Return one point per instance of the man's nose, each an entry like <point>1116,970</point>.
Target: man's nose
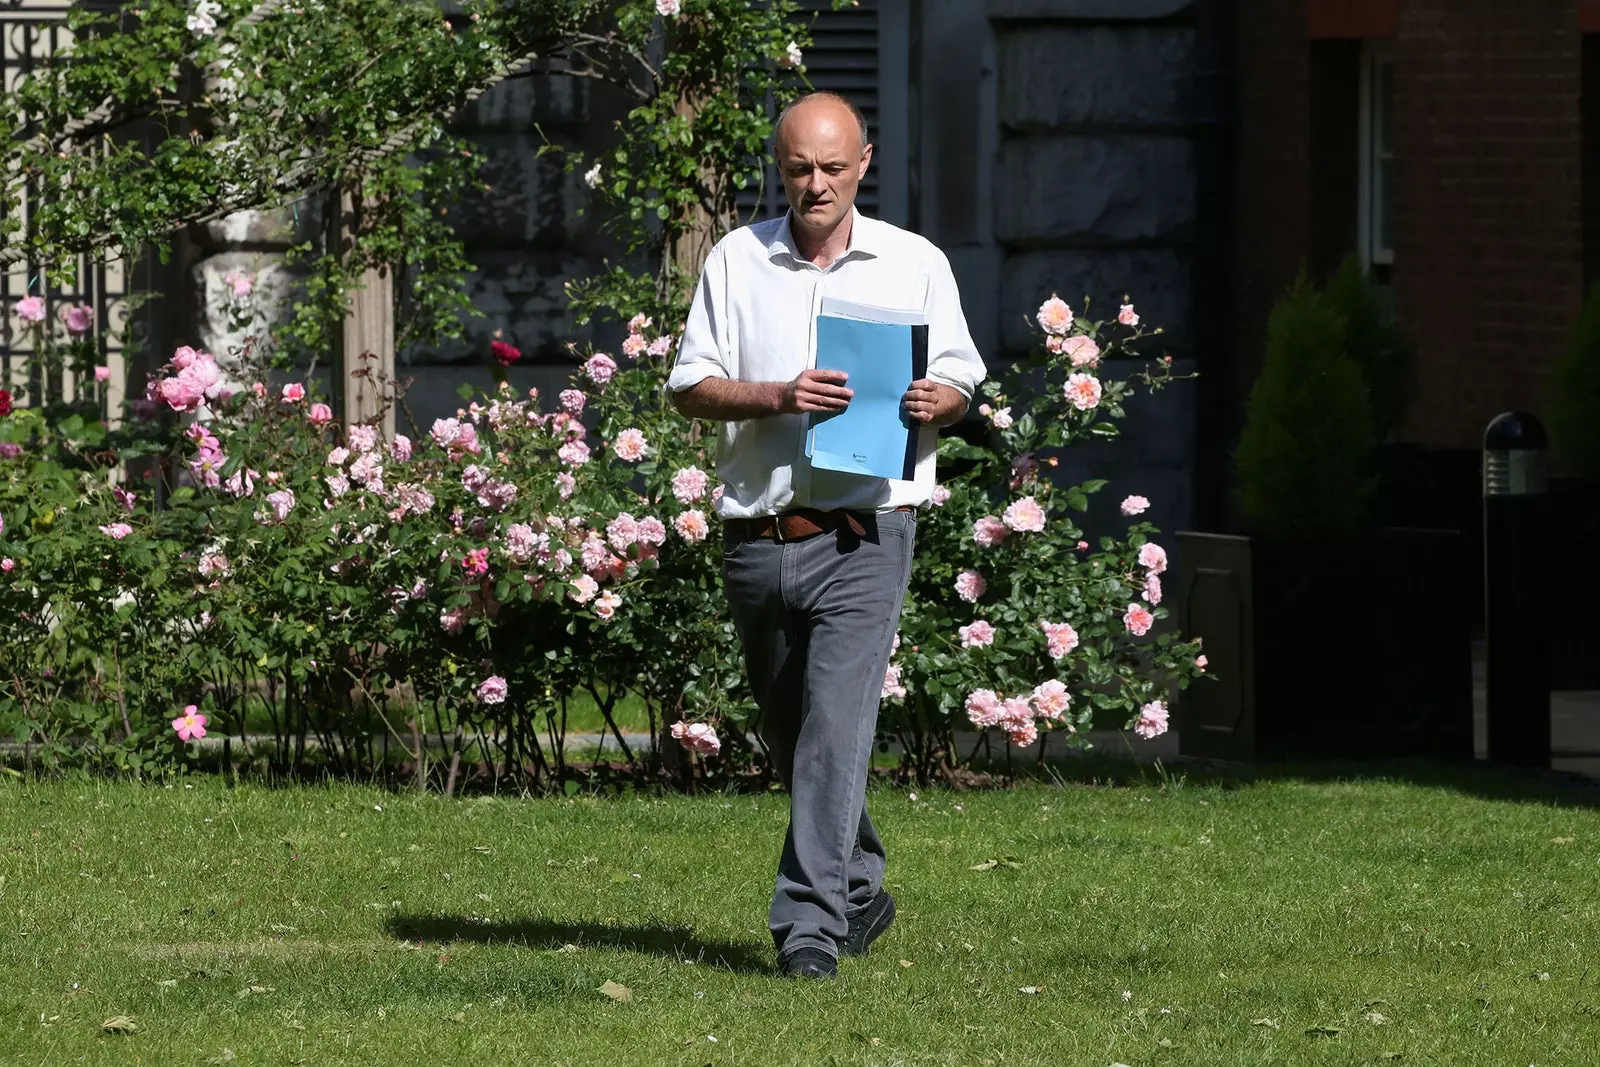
<point>816,183</point>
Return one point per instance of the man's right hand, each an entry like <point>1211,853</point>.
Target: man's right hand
<point>816,390</point>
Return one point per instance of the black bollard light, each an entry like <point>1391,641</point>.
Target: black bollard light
<point>1515,569</point>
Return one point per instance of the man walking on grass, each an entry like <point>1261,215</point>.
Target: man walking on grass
<point>815,563</point>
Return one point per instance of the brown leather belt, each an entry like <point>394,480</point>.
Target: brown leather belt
<point>799,525</point>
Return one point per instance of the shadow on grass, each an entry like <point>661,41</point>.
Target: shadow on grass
<point>1479,779</point>
<point>655,939</point>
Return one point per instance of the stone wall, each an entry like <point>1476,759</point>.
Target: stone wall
<point>1094,198</point>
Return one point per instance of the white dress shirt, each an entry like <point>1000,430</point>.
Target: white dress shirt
<point>754,320</point>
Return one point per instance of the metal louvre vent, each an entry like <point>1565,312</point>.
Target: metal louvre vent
<point>843,58</point>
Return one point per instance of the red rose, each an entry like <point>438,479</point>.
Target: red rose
<point>5,402</point>
<point>505,354</point>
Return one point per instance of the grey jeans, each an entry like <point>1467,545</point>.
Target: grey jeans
<point>817,620</point>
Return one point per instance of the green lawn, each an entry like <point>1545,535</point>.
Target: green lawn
<point>1288,921</point>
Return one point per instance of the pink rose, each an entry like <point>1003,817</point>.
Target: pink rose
<point>1051,699</point>
<point>668,8</point>
<point>572,401</point>
<point>566,485</point>
<point>1055,316</point>
<point>1023,734</point>
<point>651,531</point>
<point>191,725</point>
<point>30,309</point>
<point>281,502</point>
<point>989,531</point>
<point>983,708</point>
<point>573,453</point>
<point>600,368</point>
<point>692,526</point>
<point>102,374</point>
<point>1138,620</point>
<point>400,448</point>
<point>124,498</point>
<point>634,345</point>
<point>7,564</point>
<point>320,414</point>
<point>1153,558</point>
<point>293,393</point>
<point>689,484</point>
<point>492,690</point>
<point>79,319</point>
<point>629,445</point>
<point>1060,638</point>
<point>698,737</point>
<point>584,588</point>
<point>241,284</point>
<point>1200,662</point>
<point>660,346</point>
<point>1083,391</point>
<point>1135,505</point>
<point>1152,589</point>
<point>977,635</point>
<point>606,606</point>
<point>893,687</point>
<point>1025,515</point>
<point>117,530</point>
<point>941,496</point>
<point>1127,316</point>
<point>970,585</point>
<point>1152,720</point>
<point>362,438</point>
<point>1082,351</point>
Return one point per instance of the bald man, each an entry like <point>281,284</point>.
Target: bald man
<point>815,562</point>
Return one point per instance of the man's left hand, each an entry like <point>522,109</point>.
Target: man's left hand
<point>933,403</point>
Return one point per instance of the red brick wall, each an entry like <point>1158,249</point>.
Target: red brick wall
<point>1272,169</point>
<point>1488,238</point>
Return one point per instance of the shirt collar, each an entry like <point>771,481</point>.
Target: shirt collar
<point>863,238</point>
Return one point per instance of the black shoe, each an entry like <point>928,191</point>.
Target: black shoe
<point>808,963</point>
<point>869,925</point>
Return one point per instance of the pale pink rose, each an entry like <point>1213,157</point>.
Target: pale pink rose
<point>293,393</point>
<point>213,564</point>
<point>415,499</point>
<point>319,414</point>
<point>629,445</point>
<point>651,531</point>
<point>1082,351</point>
<point>584,588</point>
<point>474,477</point>
<point>1023,735</point>
<point>521,542</point>
<point>660,346</point>
<point>241,284</point>
<point>572,401</point>
<point>7,564</point>
<point>893,687</point>
<point>622,531</point>
<point>941,496</point>
<point>989,531</point>
<point>260,390</point>
<point>1060,638</point>
<point>339,485</point>
<point>639,323</point>
<point>1055,316</point>
<point>1051,700</point>
<point>102,374</point>
<point>117,530</point>
<point>573,453</point>
<point>497,496</point>
<point>983,708</point>
<point>668,8</point>
<point>1083,546</point>
<point>337,457</point>
<point>692,526</point>
<point>1200,662</point>
<point>1138,620</point>
<point>191,725</point>
<point>697,737</point>
<point>179,394</point>
<point>1083,391</point>
<point>792,57</point>
<point>689,484</point>
<point>970,585</point>
<point>594,553</point>
<point>1152,720</point>
<point>79,319</point>
<point>600,368</point>
<point>368,470</point>
<point>1015,712</point>
<point>566,485</point>
<point>1127,316</point>
<point>1152,588</point>
<point>363,438</point>
<point>30,309</point>
<point>492,690</point>
<point>1001,419</point>
<point>633,345</point>
<point>453,620</point>
<point>606,607</point>
<point>183,356</point>
<point>1135,505</point>
<point>400,448</point>
<point>1153,558</point>
<point>977,634</point>
<point>281,502</point>
<point>242,482</point>
<point>1025,515</point>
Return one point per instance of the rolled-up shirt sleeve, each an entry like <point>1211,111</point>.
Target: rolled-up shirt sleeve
<point>953,359</point>
<point>703,352</point>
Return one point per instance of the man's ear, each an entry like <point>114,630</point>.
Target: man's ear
<point>866,159</point>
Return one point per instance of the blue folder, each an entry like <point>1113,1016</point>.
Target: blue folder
<point>883,351</point>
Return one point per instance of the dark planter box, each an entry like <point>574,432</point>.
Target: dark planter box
<point>1574,584</point>
<point>1357,648</point>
